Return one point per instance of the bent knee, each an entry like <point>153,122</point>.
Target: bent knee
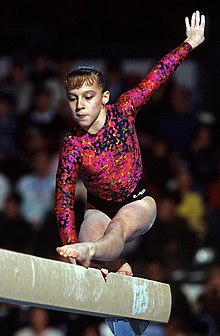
<point>151,207</point>
<point>150,204</point>
<point>94,225</point>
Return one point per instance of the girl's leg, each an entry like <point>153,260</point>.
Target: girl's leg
<point>92,229</point>
<point>94,225</point>
<point>131,221</point>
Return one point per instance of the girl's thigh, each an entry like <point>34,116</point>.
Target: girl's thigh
<point>136,218</point>
<point>93,226</point>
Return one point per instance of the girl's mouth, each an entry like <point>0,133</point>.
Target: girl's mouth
<point>81,117</point>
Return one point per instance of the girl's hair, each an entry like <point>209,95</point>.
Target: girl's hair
<point>84,74</point>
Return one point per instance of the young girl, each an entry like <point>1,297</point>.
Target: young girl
<point>103,150</point>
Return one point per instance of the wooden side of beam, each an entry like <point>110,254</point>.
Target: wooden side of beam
<point>34,281</point>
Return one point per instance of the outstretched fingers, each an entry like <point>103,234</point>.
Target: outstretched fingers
<point>197,21</point>
<point>195,29</point>
<point>187,25</point>
<point>202,22</point>
<point>193,19</point>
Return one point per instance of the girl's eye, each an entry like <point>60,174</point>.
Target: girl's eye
<point>71,98</point>
<point>89,97</point>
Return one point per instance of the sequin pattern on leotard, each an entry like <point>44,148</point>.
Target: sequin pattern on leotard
<point>108,162</point>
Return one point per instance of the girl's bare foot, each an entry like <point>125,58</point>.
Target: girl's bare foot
<point>81,252</point>
<point>120,266</point>
<point>116,266</point>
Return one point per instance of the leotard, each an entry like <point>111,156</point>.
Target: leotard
<point>108,162</point>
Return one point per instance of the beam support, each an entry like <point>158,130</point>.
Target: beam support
<point>33,281</point>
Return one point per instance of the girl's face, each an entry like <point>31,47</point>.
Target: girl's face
<point>87,106</point>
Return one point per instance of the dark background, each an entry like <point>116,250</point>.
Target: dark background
<point>122,28</point>
<point>98,28</point>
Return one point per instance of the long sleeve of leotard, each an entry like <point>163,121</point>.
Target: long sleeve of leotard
<point>65,189</point>
<point>108,162</point>
<point>135,98</point>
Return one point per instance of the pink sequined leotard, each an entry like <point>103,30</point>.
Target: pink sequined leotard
<point>108,162</point>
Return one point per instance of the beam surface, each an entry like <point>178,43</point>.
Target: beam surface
<point>33,281</point>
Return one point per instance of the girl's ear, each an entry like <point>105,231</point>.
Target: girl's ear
<point>105,97</point>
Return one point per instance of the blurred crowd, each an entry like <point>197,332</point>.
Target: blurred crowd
<point>181,158</point>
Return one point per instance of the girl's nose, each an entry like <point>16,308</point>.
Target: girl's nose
<point>80,104</point>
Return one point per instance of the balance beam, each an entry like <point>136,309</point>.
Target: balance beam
<point>39,282</point>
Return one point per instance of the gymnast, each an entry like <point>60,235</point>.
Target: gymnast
<point>102,150</point>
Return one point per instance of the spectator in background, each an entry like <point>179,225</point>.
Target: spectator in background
<point>9,131</point>
<point>44,118</point>
<point>170,237</point>
<point>115,81</point>
<point>157,165</point>
<point>209,301</point>
<point>56,84</point>
<point>32,142</point>
<point>214,188</point>
<point>47,231</point>
<point>18,85</point>
<point>180,122</point>
<point>5,188</point>
<point>42,71</point>
<point>213,213</point>
<point>39,324</point>
<point>91,331</point>
<point>8,125</point>
<point>37,190</point>
<point>15,233</point>
<point>203,157</point>
<point>191,205</point>
<point>155,269</point>
<point>12,317</point>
